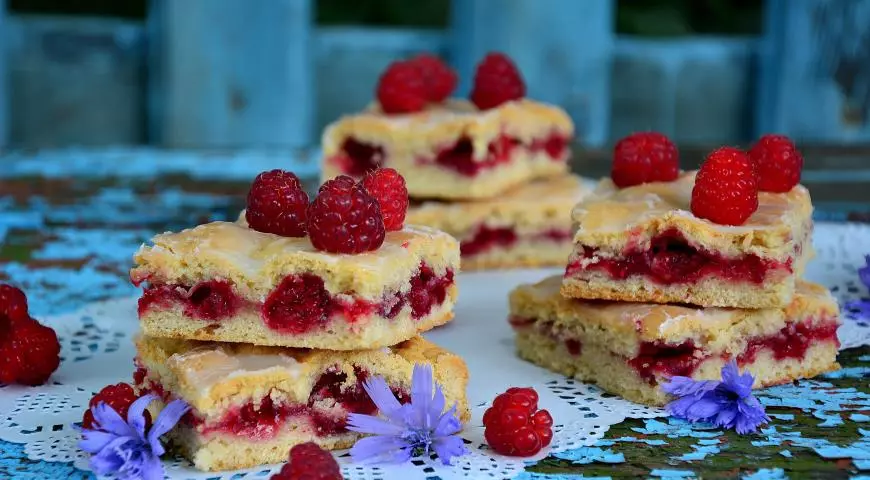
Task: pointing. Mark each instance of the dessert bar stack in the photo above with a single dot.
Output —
(271, 340)
(677, 276)
(492, 171)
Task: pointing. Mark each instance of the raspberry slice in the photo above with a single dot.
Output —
(496, 81)
(777, 162)
(309, 462)
(277, 204)
(388, 188)
(440, 79)
(118, 397)
(726, 188)
(345, 219)
(33, 353)
(515, 426)
(644, 157)
(402, 88)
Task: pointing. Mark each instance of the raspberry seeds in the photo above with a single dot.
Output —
(726, 188)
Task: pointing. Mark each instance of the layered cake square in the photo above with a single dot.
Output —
(629, 349)
(453, 150)
(250, 405)
(229, 283)
(643, 244)
(528, 226)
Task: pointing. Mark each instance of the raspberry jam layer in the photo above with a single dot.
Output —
(300, 303)
(672, 260)
(329, 403)
(486, 238)
(358, 158)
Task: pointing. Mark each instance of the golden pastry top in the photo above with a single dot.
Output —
(256, 262)
(535, 206)
(212, 376)
(626, 324)
(439, 126)
(611, 217)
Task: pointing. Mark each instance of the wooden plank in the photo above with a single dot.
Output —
(231, 73)
(4, 92)
(74, 81)
(563, 47)
(814, 82)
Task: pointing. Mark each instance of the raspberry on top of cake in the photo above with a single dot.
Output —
(630, 348)
(654, 242)
(452, 148)
(528, 226)
(251, 404)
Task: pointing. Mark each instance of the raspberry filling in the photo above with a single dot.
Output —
(300, 303)
(326, 410)
(486, 238)
(671, 259)
(358, 158)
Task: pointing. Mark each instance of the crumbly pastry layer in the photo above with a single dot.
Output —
(247, 326)
(305, 389)
(514, 132)
(528, 226)
(631, 243)
(629, 348)
(255, 262)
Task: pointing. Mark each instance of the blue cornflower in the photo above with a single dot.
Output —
(727, 404)
(861, 307)
(124, 447)
(403, 431)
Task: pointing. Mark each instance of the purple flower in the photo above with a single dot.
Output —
(404, 431)
(728, 404)
(861, 308)
(125, 448)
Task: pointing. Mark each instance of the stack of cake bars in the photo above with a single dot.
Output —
(497, 180)
(651, 292)
(270, 341)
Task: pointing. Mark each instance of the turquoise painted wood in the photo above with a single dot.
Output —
(231, 73)
(4, 92)
(814, 79)
(563, 47)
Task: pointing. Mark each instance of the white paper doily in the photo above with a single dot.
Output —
(97, 351)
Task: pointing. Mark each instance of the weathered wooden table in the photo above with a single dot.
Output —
(67, 233)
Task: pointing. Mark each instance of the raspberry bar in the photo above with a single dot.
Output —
(529, 226)
(630, 349)
(225, 282)
(453, 150)
(250, 405)
(643, 244)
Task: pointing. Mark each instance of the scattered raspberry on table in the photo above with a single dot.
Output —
(309, 462)
(118, 397)
(515, 426)
(31, 351)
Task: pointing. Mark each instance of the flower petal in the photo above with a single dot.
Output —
(448, 448)
(357, 422)
(703, 408)
(422, 386)
(382, 396)
(152, 468)
(682, 386)
(136, 413)
(381, 449)
(726, 416)
(95, 440)
(436, 408)
(448, 423)
(864, 272)
(169, 416)
(734, 381)
(113, 456)
(107, 419)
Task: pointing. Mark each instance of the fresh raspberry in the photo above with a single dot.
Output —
(402, 88)
(777, 162)
(13, 304)
(11, 364)
(277, 204)
(300, 303)
(341, 183)
(440, 79)
(496, 81)
(726, 188)
(35, 350)
(118, 397)
(345, 220)
(309, 462)
(644, 157)
(388, 188)
(515, 426)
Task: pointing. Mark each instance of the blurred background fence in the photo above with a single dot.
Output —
(272, 73)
